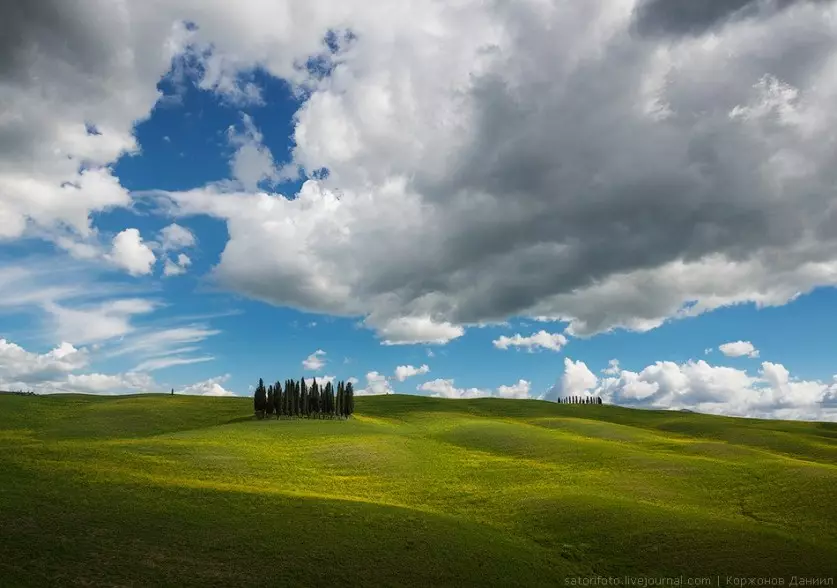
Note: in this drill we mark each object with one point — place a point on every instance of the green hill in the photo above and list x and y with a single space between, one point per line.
186 491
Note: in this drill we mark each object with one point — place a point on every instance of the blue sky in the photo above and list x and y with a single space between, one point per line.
245 197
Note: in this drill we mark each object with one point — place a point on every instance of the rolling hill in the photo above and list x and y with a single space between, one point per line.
159 490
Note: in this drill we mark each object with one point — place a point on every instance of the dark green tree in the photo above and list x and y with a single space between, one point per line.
350 399
315 398
302 392
338 404
277 399
269 405
260 399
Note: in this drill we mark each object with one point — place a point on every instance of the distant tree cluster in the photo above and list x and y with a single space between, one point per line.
18 392
296 399
580 400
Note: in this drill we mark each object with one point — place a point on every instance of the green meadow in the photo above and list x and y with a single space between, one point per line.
159 490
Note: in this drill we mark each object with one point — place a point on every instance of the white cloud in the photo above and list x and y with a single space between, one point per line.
699 386
577 380
252 161
210 387
154 343
402 372
174 236
56 371
522 389
321 380
412 330
442 388
315 361
542 339
104 384
159 363
131 253
739 349
176 267
445 388
612 368
97 323
17 364
375 384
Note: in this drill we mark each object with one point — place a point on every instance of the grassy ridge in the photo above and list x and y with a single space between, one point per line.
161 490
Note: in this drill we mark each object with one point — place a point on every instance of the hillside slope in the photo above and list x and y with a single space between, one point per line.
412 491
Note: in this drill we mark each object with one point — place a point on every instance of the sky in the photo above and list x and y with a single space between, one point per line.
631 199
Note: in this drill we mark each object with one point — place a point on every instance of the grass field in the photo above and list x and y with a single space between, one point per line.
412 491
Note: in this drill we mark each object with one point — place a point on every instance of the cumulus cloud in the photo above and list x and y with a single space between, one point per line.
176 267
376 383
426 227
315 361
104 383
612 368
252 162
402 372
131 253
210 387
421 329
542 339
57 371
577 380
19 365
739 349
699 386
174 237
75 98
445 388
522 389
321 380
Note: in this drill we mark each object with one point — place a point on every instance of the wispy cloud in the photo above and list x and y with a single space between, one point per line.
160 363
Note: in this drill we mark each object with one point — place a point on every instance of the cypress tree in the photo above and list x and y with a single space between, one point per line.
338 407
350 399
315 398
277 399
269 404
303 392
294 393
260 398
